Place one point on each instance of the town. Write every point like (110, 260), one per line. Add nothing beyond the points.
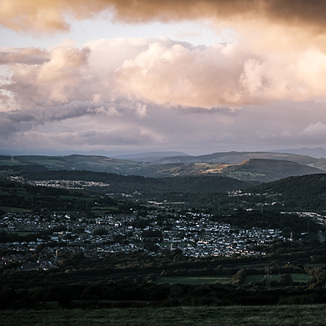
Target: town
(44, 239)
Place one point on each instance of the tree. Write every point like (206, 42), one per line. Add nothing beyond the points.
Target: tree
(286, 279)
(100, 231)
(239, 277)
(151, 246)
(73, 260)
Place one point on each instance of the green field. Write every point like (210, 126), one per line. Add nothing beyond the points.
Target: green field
(193, 280)
(22, 233)
(15, 209)
(187, 316)
(300, 277)
(100, 209)
(9, 162)
(226, 279)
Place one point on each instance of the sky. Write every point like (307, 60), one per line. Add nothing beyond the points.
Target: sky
(128, 76)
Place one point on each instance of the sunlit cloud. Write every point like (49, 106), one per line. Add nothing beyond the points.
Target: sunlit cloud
(163, 72)
(39, 15)
(133, 91)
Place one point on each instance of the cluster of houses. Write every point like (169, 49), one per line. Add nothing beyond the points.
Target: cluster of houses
(318, 218)
(64, 184)
(43, 240)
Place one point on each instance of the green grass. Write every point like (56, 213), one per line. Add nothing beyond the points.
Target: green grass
(292, 315)
(272, 196)
(71, 197)
(5, 172)
(48, 162)
(181, 244)
(21, 233)
(245, 173)
(9, 162)
(14, 209)
(223, 279)
(23, 193)
(300, 277)
(226, 279)
(104, 208)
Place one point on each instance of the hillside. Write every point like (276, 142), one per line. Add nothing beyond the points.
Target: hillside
(295, 192)
(246, 166)
(305, 192)
(265, 170)
(142, 187)
(238, 157)
(25, 198)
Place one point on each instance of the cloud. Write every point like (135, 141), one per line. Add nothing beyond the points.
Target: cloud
(127, 91)
(39, 15)
(181, 75)
(53, 78)
(29, 56)
(266, 87)
(160, 71)
(50, 16)
(130, 71)
(197, 131)
(269, 61)
(229, 75)
(296, 76)
(316, 130)
(83, 133)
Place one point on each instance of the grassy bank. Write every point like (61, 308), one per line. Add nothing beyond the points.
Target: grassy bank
(253, 315)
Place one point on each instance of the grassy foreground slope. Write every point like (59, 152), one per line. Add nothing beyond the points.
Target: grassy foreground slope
(196, 316)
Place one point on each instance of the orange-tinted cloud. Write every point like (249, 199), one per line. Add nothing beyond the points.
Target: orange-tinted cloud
(163, 72)
(49, 16)
(52, 77)
(23, 56)
(230, 75)
(71, 97)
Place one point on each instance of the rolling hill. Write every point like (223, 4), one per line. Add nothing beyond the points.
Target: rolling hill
(305, 192)
(246, 166)
(265, 170)
(238, 157)
(115, 183)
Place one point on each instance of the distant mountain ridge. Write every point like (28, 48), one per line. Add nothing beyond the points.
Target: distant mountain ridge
(317, 152)
(149, 156)
(238, 157)
(246, 166)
